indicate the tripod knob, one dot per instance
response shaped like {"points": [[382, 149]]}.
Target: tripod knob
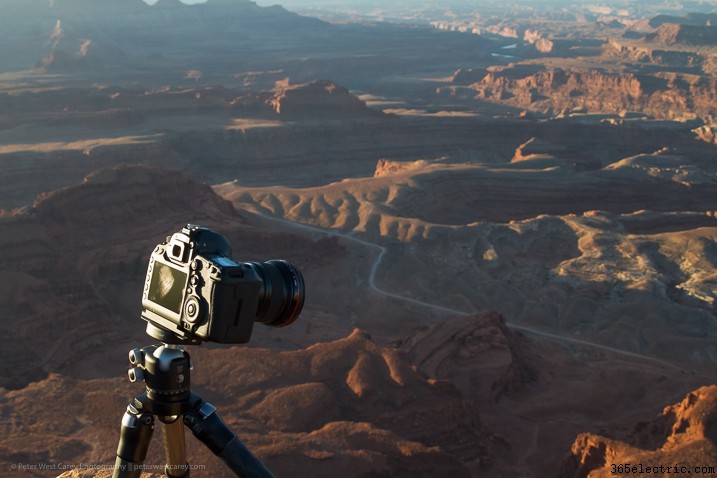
{"points": [[136, 356], [136, 374]]}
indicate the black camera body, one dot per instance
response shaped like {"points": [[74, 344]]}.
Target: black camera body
{"points": [[195, 290]]}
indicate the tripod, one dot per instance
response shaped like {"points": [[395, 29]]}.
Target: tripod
{"points": [[166, 371]]}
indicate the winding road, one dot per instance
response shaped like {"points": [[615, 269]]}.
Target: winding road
{"points": [[529, 330]]}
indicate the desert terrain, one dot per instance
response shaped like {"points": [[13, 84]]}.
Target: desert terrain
{"points": [[505, 215]]}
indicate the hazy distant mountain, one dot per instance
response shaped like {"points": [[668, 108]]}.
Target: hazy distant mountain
{"points": [[94, 33], [169, 42]]}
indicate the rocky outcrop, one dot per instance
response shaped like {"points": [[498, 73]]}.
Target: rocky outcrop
{"points": [[319, 99], [544, 85], [478, 354], [683, 89], [541, 43], [355, 380], [537, 152], [386, 167], [682, 47], [544, 45], [126, 192], [638, 51], [706, 133], [349, 407], [507, 31], [553, 90], [468, 76], [684, 436], [693, 35]]}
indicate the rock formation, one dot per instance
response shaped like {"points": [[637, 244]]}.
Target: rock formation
{"points": [[549, 90], [707, 133], [552, 238], [468, 76], [564, 177], [480, 355], [540, 153], [385, 167], [682, 440], [682, 88], [690, 35], [319, 99], [542, 44], [350, 407]]}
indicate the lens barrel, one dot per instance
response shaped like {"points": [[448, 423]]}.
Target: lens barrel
{"points": [[281, 297]]}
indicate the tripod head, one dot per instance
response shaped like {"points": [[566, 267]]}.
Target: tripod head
{"points": [[166, 371]]}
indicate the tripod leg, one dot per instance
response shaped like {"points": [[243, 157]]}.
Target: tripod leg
{"points": [[174, 447], [210, 429], [135, 435]]}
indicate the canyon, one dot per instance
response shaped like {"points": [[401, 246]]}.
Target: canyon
{"points": [[505, 219]]}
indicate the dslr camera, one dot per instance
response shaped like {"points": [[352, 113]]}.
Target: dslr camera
{"points": [[194, 291]]}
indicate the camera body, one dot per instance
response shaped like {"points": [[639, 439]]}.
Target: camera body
{"points": [[197, 292]]}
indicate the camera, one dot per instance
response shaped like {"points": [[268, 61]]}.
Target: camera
{"points": [[194, 291]]}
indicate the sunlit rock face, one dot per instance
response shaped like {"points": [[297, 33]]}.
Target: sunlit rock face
{"points": [[683, 435]]}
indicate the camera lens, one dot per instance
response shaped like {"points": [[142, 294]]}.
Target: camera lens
{"points": [[281, 297]]}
